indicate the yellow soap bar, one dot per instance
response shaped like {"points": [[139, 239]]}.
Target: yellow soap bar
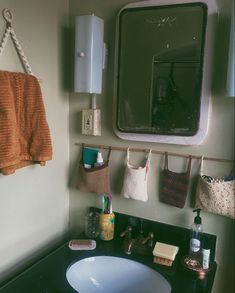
{"points": [[165, 250]]}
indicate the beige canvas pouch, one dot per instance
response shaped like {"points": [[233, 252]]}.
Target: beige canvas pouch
{"points": [[94, 179], [136, 180]]}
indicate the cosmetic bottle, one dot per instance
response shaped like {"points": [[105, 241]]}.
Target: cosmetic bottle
{"points": [[99, 160], [195, 237], [206, 249]]}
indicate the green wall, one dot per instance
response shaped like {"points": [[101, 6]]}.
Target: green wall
{"points": [[34, 202], [218, 143]]}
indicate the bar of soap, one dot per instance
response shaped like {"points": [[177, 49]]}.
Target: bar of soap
{"points": [[82, 244], [166, 251]]}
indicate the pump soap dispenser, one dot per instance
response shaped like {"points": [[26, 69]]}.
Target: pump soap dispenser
{"points": [[196, 231], [194, 260]]}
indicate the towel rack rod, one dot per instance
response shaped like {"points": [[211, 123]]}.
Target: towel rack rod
{"points": [[153, 152]]}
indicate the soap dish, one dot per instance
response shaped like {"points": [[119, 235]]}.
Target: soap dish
{"points": [[82, 244], [194, 266]]}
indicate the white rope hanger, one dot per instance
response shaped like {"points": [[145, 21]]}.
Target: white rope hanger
{"points": [[8, 16]]}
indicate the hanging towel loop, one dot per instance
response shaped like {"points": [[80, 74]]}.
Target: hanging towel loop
{"points": [[166, 161], [188, 166], [201, 165], [7, 15], [109, 152], [128, 154], [148, 158], [189, 163]]}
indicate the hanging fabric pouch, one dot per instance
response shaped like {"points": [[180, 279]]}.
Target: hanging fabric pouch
{"points": [[135, 180], [94, 179], [216, 195], [174, 185]]}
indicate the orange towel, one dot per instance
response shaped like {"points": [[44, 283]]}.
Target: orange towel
{"points": [[24, 132]]}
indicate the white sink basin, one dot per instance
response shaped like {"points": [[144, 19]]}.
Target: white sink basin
{"points": [[115, 275]]}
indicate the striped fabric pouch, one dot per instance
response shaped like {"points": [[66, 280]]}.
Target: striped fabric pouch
{"points": [[174, 185]]}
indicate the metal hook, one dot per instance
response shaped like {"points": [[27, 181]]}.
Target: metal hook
{"points": [[8, 16]]}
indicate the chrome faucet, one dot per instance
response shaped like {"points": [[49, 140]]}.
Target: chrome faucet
{"points": [[149, 240], [140, 244], [127, 242]]}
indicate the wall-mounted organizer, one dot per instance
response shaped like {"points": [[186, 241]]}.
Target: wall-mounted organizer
{"points": [[124, 149], [213, 195]]}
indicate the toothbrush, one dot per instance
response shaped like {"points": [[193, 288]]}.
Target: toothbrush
{"points": [[103, 204], [107, 204]]}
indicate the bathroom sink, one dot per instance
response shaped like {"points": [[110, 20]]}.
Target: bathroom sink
{"points": [[115, 275]]}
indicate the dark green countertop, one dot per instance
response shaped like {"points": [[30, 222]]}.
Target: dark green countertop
{"points": [[49, 274]]}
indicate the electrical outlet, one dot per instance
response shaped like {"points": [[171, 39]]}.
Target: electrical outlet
{"points": [[87, 122], [91, 122]]}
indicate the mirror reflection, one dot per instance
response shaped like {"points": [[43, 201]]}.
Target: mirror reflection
{"points": [[160, 60]]}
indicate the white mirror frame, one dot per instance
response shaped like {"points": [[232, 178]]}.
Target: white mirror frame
{"points": [[206, 79], [231, 59]]}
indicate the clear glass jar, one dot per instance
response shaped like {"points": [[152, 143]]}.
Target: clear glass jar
{"points": [[92, 225]]}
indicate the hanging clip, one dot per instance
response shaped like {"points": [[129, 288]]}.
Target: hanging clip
{"points": [[8, 16]]}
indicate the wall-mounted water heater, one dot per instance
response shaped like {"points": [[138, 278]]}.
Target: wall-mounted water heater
{"points": [[89, 52]]}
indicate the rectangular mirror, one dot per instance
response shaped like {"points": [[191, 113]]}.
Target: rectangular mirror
{"points": [[159, 72]]}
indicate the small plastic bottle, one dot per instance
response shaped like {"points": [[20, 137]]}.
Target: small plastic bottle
{"points": [[206, 249], [195, 238], [99, 160]]}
